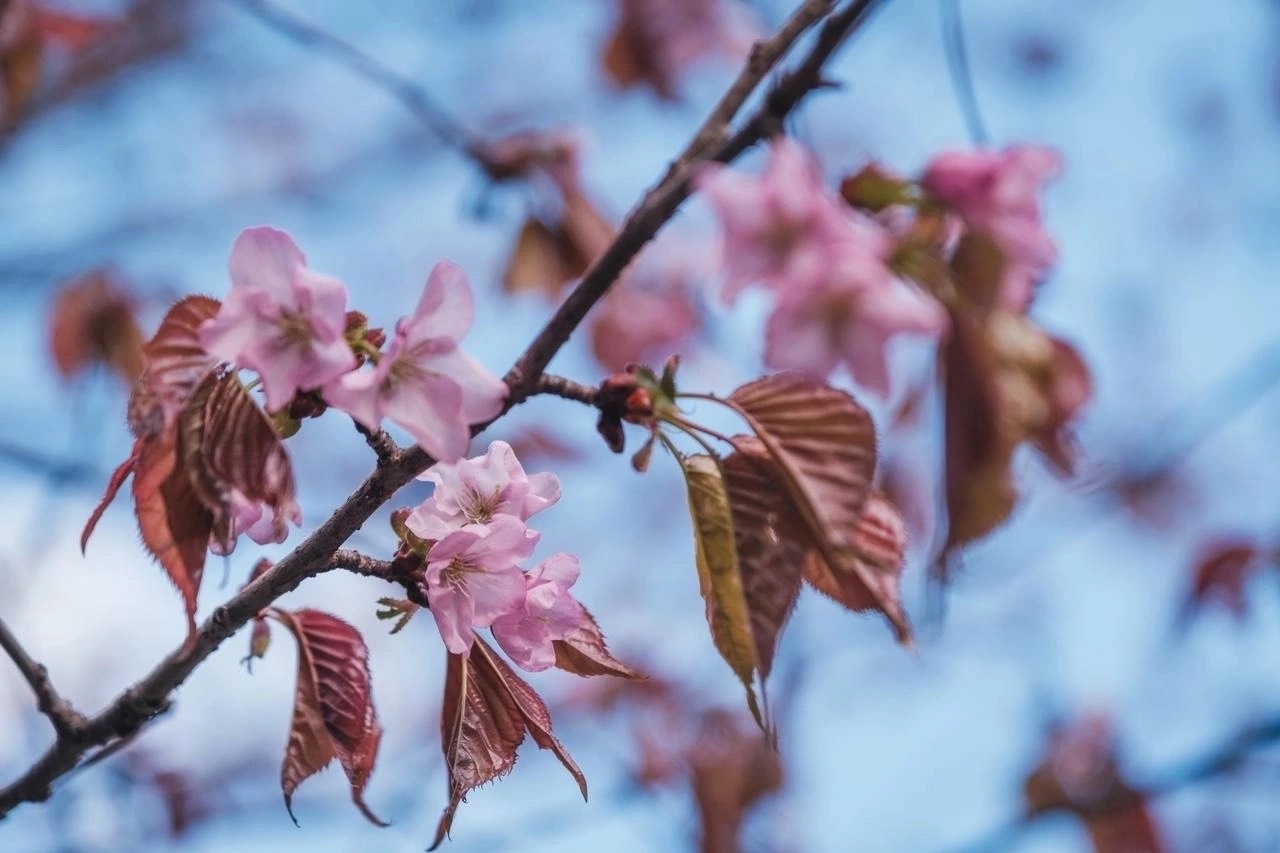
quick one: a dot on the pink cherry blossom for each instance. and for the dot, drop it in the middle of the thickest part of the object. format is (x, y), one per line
(280, 319)
(473, 577)
(258, 520)
(549, 613)
(780, 229)
(851, 316)
(997, 193)
(477, 490)
(424, 382)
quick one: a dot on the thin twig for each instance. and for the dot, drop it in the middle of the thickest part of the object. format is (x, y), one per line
(360, 564)
(661, 202)
(961, 72)
(413, 96)
(65, 719)
(560, 386)
(383, 445)
(138, 704)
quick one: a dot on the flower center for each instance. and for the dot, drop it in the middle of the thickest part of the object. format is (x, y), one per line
(455, 574)
(479, 509)
(296, 329)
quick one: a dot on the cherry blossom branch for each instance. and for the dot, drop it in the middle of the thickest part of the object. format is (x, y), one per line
(361, 564)
(559, 386)
(65, 719)
(660, 203)
(125, 716)
(414, 97)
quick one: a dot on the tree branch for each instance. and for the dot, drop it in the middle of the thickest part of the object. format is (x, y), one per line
(65, 719)
(559, 386)
(138, 704)
(661, 202)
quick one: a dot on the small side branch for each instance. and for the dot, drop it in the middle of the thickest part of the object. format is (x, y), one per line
(361, 564)
(383, 445)
(65, 719)
(559, 386)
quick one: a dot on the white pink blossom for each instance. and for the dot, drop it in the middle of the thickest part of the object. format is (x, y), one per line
(424, 382)
(549, 613)
(280, 319)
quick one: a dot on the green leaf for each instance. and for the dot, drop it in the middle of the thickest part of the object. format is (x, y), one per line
(719, 575)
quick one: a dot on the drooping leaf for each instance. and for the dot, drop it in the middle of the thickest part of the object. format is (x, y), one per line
(75, 32)
(92, 322)
(731, 767)
(540, 261)
(333, 713)
(487, 710)
(880, 543)
(824, 446)
(1219, 573)
(175, 525)
(230, 447)
(583, 652)
(1079, 773)
(118, 477)
(719, 575)
(21, 60)
(771, 544)
(176, 364)
(979, 487)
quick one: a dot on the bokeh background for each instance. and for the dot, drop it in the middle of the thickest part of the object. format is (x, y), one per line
(1168, 115)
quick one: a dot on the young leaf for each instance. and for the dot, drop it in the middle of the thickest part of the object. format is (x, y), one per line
(584, 653)
(980, 492)
(719, 575)
(92, 323)
(176, 364)
(118, 477)
(771, 544)
(880, 541)
(21, 61)
(230, 447)
(487, 710)
(333, 714)
(174, 524)
(824, 446)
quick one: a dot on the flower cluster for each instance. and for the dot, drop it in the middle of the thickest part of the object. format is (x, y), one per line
(290, 325)
(827, 265)
(475, 522)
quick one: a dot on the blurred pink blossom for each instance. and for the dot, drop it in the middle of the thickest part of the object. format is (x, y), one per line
(549, 613)
(474, 577)
(997, 194)
(782, 229)
(850, 321)
(424, 382)
(280, 319)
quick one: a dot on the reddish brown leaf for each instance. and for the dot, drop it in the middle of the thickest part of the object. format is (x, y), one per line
(587, 233)
(880, 542)
(1220, 572)
(487, 710)
(174, 524)
(21, 60)
(541, 261)
(583, 652)
(333, 713)
(771, 544)
(824, 447)
(980, 492)
(118, 477)
(1070, 387)
(176, 364)
(231, 452)
(75, 32)
(1079, 773)
(731, 767)
(92, 323)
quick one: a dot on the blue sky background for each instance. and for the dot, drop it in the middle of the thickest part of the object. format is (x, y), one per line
(1168, 114)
